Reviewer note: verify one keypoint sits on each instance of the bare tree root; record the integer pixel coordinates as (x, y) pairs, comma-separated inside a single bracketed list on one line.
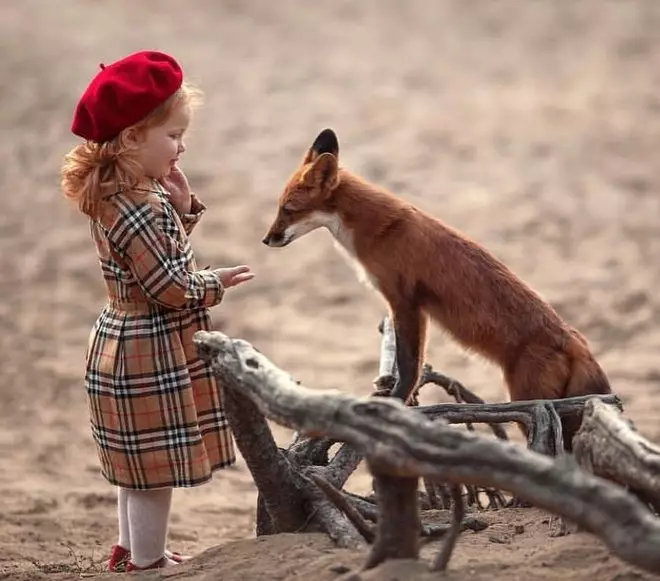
[(279, 506), (296, 486), (609, 446), (442, 558), (459, 392), (368, 509), (400, 445), (469, 523), (287, 500), (541, 419), (399, 524), (343, 504)]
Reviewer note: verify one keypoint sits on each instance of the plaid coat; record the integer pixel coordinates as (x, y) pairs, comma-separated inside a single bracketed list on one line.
[(155, 408)]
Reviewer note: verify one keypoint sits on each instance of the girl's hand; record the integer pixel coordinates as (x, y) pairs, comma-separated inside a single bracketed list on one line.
[(234, 275), (177, 186)]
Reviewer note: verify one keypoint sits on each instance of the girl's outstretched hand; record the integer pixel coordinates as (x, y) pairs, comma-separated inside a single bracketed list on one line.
[(234, 275), (177, 186)]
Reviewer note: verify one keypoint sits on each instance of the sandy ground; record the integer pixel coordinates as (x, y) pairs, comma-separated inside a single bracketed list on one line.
[(532, 126)]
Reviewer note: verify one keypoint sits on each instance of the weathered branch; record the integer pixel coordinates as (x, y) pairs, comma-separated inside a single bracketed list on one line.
[(387, 364), (401, 443), (442, 558), (368, 509), (281, 507), (541, 418), (324, 515), (609, 446), (469, 523), (340, 468), (347, 458), (287, 502), (343, 504), (398, 525), (498, 412), (385, 383), (461, 393), (451, 386)]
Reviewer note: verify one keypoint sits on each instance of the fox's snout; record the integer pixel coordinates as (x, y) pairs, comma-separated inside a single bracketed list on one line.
[(278, 234), (274, 239), (270, 238)]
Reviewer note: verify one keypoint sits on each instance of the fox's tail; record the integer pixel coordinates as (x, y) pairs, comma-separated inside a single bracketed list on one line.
[(587, 377)]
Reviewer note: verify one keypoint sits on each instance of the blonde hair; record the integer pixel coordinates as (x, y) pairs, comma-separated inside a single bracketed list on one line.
[(91, 167)]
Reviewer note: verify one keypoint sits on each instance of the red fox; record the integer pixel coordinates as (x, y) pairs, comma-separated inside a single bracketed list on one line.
[(425, 270)]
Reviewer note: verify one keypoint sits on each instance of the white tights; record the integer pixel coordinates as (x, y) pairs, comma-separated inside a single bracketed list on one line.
[(143, 519)]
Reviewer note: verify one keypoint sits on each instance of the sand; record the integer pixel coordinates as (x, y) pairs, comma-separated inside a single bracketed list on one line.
[(531, 126)]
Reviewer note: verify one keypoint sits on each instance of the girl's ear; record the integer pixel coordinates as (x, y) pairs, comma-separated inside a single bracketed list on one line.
[(132, 136)]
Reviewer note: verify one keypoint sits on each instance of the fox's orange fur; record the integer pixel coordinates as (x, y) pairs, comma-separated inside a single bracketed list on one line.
[(426, 269)]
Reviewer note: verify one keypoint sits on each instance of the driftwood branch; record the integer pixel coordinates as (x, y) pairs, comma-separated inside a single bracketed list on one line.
[(283, 510), (514, 411), (299, 487), (345, 462), (401, 443), (442, 559), (437, 493), (540, 419), (399, 524), (610, 447), (345, 505), (460, 393), (287, 500)]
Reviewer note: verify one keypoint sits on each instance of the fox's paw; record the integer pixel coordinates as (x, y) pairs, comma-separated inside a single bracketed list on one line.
[(383, 385)]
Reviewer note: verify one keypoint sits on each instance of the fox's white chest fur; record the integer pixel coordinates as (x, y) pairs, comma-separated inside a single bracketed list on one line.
[(343, 242)]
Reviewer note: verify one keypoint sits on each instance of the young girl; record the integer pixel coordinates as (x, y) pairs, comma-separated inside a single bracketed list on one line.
[(155, 408)]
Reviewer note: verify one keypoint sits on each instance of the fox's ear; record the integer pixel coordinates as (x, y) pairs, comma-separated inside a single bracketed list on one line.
[(325, 142), (322, 176)]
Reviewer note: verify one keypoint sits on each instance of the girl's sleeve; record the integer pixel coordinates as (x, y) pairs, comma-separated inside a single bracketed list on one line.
[(191, 219), (158, 262)]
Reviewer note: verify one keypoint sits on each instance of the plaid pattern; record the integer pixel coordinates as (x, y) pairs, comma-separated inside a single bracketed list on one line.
[(155, 407)]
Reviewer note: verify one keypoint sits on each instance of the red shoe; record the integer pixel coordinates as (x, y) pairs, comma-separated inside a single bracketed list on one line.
[(119, 558), (162, 562)]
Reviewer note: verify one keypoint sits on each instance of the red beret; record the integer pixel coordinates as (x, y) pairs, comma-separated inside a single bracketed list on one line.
[(125, 92)]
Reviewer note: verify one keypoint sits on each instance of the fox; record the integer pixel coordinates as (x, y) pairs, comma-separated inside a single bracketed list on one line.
[(428, 271)]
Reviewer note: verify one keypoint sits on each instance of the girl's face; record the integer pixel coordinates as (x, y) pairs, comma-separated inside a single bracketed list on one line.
[(162, 145)]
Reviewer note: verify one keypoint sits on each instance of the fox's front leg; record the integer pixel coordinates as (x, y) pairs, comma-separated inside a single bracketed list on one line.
[(410, 324)]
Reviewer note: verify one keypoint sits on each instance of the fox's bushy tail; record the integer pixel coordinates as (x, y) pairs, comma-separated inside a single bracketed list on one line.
[(587, 377)]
